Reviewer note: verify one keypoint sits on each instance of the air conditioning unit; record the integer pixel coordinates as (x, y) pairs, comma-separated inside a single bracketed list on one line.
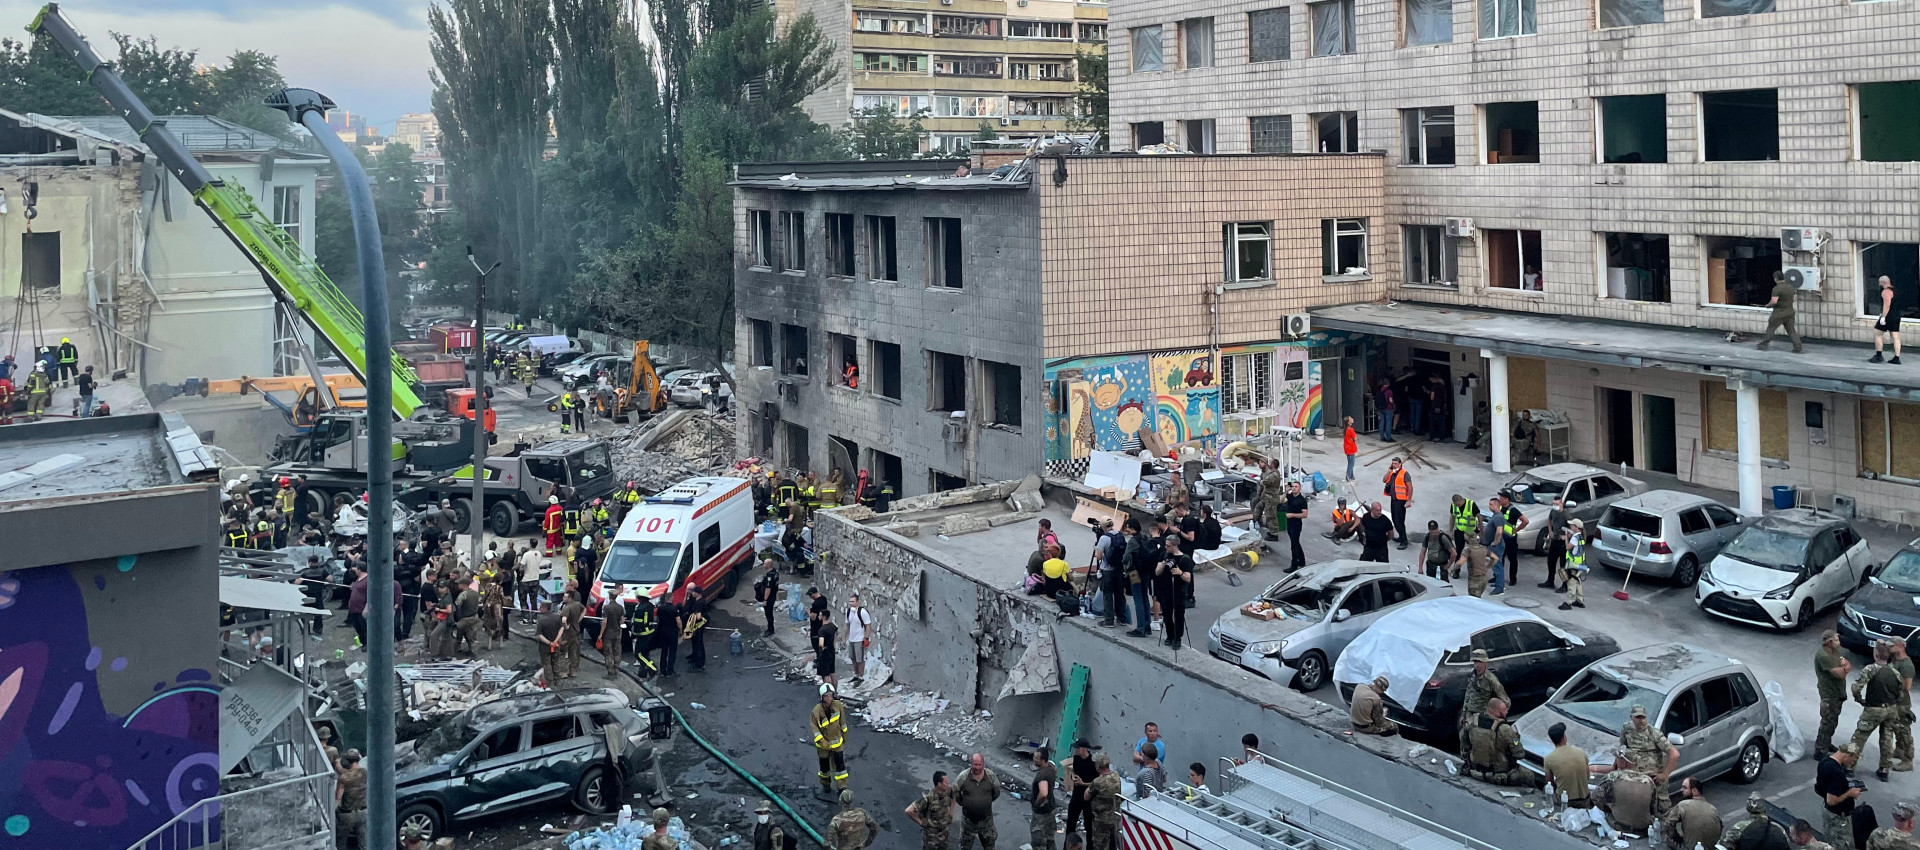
[(954, 431), (1298, 325), (1460, 228), (1800, 239), (946, 2), (1803, 277), (1005, 121), (790, 392)]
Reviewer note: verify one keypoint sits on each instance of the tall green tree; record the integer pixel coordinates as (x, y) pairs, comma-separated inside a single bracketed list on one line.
[(587, 36), (882, 134), (37, 76), (1090, 100), (238, 91)]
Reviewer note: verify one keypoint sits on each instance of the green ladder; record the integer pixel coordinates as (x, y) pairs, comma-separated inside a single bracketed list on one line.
[(1070, 713)]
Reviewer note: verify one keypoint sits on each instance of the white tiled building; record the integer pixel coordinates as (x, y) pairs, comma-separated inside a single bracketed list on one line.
[(1619, 161)]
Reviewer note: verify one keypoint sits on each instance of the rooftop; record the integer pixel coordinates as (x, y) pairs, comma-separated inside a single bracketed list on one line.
[(198, 133), (1828, 367), (109, 455)]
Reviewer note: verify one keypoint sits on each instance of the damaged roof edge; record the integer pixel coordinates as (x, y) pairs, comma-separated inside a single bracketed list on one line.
[(71, 129)]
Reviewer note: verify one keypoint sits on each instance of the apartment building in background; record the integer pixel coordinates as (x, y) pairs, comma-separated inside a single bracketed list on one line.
[(1008, 64), (940, 331), (1564, 177)]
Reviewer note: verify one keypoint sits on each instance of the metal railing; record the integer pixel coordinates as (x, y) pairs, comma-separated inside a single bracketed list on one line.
[(297, 810)]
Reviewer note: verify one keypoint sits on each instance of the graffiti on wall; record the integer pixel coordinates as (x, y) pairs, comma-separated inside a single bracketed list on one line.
[(108, 722), (1106, 401)]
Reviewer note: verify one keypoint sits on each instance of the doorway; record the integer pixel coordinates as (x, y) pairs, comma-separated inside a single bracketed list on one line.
[(1426, 388), (1616, 425), (1656, 420)]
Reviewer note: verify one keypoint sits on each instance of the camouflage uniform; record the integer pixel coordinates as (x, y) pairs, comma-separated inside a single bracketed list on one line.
[(1494, 753), (852, 829), (1647, 750), (1627, 796), (1105, 803), (1881, 710), (1690, 822), (1481, 689), (350, 826), (1903, 723), (659, 840), (936, 819), (1888, 838), (1833, 695), (1752, 821)]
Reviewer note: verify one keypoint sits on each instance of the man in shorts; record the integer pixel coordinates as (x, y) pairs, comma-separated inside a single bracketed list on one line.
[(1889, 322), (859, 625)]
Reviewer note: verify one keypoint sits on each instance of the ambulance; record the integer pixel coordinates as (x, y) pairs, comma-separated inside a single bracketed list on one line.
[(697, 533)]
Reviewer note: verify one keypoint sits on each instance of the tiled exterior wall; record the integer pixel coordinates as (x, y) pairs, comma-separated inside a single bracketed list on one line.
[(995, 316), (1812, 51), (1134, 250)]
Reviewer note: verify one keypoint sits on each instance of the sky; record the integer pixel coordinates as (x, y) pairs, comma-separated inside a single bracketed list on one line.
[(369, 56)]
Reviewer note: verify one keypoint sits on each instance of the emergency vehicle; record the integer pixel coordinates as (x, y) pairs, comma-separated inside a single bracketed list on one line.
[(697, 533)]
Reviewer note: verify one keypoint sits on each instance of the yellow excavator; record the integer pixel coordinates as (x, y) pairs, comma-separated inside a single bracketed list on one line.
[(644, 395)]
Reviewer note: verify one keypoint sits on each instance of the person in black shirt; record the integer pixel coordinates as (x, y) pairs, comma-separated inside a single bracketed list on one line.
[(1837, 793), (408, 575), (1171, 581), (666, 618), (824, 636), (1189, 530), (1207, 538), (1295, 507), (815, 608), (1080, 776), (1146, 561), (85, 382), (1376, 529), (767, 590), (696, 607)]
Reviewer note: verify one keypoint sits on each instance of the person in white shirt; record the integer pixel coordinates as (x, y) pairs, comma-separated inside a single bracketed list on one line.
[(858, 620), (532, 566)]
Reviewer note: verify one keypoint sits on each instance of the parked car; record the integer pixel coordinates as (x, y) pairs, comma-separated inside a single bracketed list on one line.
[(690, 389), (518, 752), (1884, 607), (1588, 489), (1424, 649), (1710, 702), (581, 369), (1785, 568), (1316, 612), (1665, 534)]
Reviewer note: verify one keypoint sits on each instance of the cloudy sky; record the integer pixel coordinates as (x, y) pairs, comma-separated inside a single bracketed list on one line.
[(370, 56)]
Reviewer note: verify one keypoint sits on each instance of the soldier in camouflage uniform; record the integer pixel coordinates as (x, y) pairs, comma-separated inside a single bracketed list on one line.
[(1903, 725), (1626, 795), (934, 813), (1267, 503), (1800, 836), (1879, 689), (852, 828), (1494, 751), (1483, 688), (1830, 668), (1647, 749), (1756, 819), (1105, 804), (660, 840), (1899, 836)]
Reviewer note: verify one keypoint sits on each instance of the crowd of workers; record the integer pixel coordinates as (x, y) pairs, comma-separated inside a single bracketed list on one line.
[(31, 387)]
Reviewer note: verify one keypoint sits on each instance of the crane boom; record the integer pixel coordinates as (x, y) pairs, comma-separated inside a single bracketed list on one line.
[(294, 277)]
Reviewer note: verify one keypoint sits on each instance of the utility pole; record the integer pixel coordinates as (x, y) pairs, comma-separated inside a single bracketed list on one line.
[(309, 109), (477, 523)]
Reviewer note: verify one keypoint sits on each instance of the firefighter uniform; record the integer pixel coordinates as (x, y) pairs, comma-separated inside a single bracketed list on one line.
[(829, 725), (6, 401), (39, 391), (550, 525), (643, 627), (567, 408), (69, 362), (830, 494)]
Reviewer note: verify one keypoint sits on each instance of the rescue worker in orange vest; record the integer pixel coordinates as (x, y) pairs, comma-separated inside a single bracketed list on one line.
[(6, 401), (853, 376), (550, 524)]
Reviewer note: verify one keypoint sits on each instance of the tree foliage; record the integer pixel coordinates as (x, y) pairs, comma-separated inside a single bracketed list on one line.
[(395, 179), (882, 134), (1091, 97), (36, 76)]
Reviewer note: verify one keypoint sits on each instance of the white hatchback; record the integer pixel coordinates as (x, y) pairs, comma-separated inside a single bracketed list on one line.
[(1785, 568)]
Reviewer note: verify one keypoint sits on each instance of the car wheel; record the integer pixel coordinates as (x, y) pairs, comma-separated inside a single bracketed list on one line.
[(1752, 762), (733, 584), (594, 793), (1805, 615), (422, 817), (317, 503), (1311, 673), (1686, 572), (462, 514), (503, 519)]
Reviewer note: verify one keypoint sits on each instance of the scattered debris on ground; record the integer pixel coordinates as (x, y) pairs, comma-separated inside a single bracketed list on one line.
[(671, 447)]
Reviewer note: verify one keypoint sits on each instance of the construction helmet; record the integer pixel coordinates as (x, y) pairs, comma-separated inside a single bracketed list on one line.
[(553, 500), (64, 340), (596, 503)]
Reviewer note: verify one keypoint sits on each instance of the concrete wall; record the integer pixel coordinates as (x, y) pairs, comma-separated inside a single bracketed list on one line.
[(93, 208), (994, 316), (946, 632), (1570, 196)]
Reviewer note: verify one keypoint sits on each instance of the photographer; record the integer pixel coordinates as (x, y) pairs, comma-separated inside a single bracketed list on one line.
[(1173, 580)]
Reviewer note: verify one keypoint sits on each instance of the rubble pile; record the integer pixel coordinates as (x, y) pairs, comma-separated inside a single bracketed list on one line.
[(445, 688), (672, 447), (932, 719)]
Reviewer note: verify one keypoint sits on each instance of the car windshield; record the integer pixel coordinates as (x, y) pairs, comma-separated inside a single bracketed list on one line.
[(1766, 548), (1631, 522), (1538, 490), (444, 743), (591, 464), (1600, 700), (1306, 600), (639, 562), (1903, 572)]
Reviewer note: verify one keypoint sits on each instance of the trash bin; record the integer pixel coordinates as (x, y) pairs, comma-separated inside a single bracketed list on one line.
[(1782, 497)]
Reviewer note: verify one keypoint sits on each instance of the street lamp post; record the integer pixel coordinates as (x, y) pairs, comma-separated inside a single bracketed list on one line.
[(477, 522)]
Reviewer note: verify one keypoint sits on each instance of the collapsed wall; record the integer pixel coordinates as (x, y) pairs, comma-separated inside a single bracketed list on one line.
[(998, 649)]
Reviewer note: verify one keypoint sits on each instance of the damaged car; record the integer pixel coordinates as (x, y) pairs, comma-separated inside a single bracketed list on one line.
[(1587, 490), (1886, 606), (1785, 568), (1710, 706), (522, 751), (1295, 630)]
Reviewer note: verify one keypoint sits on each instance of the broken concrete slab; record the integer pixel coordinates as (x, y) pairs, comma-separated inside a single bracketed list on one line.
[(1008, 519), (1026, 496), (963, 524), (904, 528)]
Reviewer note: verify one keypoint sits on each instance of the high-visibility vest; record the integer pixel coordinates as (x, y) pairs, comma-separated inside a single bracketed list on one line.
[(783, 496), (1577, 555), (1402, 484), (830, 494), (1463, 515), (601, 517), (551, 522), (566, 402), (1506, 519), (810, 496), (237, 538), (68, 354), (571, 520), (643, 619)]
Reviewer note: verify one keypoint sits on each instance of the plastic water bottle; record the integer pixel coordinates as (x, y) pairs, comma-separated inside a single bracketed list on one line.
[(735, 645)]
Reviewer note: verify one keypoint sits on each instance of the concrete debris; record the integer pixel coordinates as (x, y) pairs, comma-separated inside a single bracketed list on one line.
[(904, 529), (963, 524), (1026, 497), (929, 718), (953, 498), (449, 688), (1008, 519), (673, 447)]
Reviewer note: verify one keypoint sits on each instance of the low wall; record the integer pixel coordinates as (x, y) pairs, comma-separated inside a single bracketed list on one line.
[(944, 631)]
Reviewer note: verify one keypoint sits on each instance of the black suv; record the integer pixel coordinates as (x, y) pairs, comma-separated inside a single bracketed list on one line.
[(520, 751), (1885, 606)]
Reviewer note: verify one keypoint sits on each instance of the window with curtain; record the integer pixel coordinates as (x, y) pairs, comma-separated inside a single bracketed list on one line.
[(1732, 8), (1332, 27), (1432, 257), (1198, 34), (1269, 35), (1507, 18), (1429, 22), (1146, 49), (1631, 13)]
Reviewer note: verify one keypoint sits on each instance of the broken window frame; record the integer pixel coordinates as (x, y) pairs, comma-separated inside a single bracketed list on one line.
[(795, 438), (1043, 30), (1144, 52), (942, 375), (1093, 33), (760, 238), (800, 366), (883, 249), (968, 106), (1024, 68), (1346, 123), (1134, 130), (1615, 105), (1002, 402), (965, 26), (1276, 25), (945, 253), (760, 332), (1337, 236), (1417, 125), (1492, 243), (1742, 274), (886, 469), (1867, 144), (881, 22), (1196, 43), (1426, 22), (793, 241), (985, 67), (1332, 28), (890, 63), (1489, 155), (840, 245), (1713, 145), (1199, 135), (1428, 245), (1270, 133), (884, 358), (1239, 237), (903, 105), (1619, 245), (1508, 19), (844, 349)]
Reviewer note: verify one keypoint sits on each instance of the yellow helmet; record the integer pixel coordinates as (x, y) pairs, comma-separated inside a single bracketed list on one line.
[(64, 340)]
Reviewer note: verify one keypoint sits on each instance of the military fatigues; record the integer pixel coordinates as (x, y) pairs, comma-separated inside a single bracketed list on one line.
[(1479, 568), (1627, 796), (1494, 753), (936, 819), (1481, 689), (852, 829), (1879, 689), (1647, 750), (1692, 821), (1105, 804), (829, 725), (1041, 828), (1888, 838), (1734, 833), (970, 793), (572, 612), (1833, 695), (613, 629), (1368, 712), (1903, 723), (659, 840), (351, 823)]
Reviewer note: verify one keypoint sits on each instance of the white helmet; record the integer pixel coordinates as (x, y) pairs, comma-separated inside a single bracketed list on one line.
[(553, 500), (825, 689)]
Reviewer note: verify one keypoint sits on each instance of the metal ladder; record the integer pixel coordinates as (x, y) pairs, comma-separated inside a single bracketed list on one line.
[(1260, 828)]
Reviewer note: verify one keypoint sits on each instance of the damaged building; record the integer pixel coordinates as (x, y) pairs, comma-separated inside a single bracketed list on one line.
[(942, 331), (100, 245)]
